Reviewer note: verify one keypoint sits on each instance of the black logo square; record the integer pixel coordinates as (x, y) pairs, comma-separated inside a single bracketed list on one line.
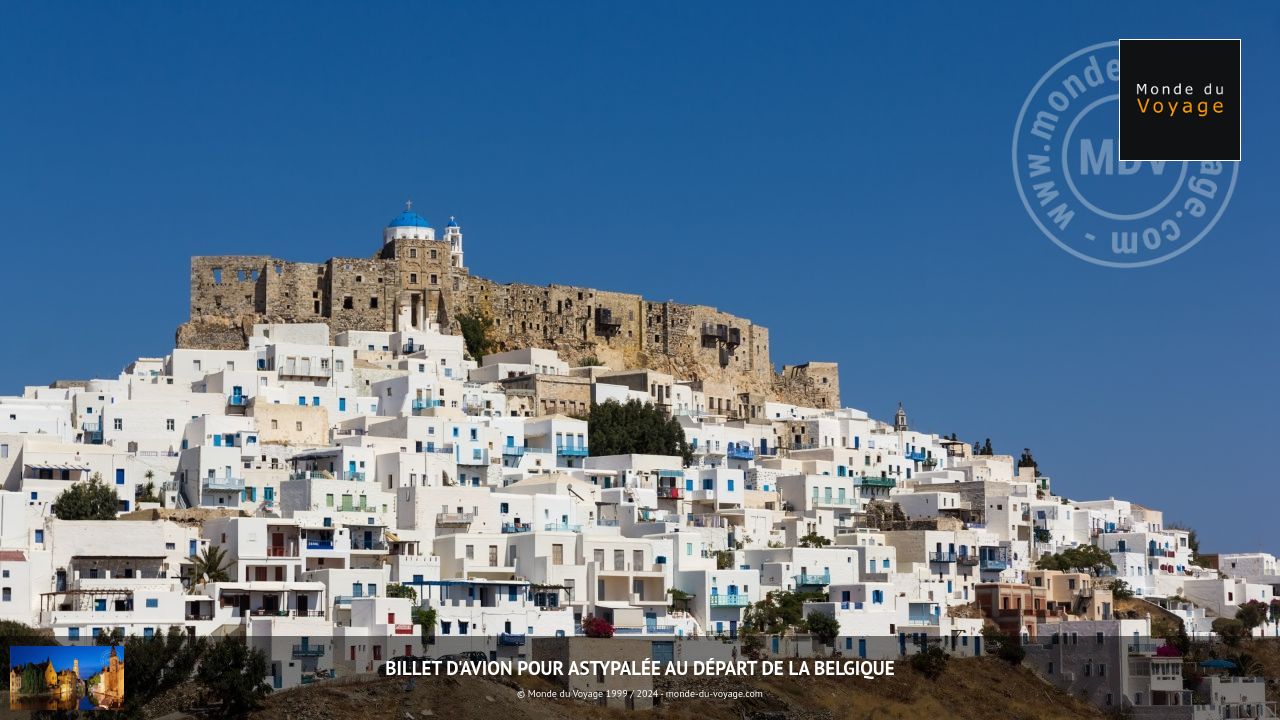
[(1179, 100)]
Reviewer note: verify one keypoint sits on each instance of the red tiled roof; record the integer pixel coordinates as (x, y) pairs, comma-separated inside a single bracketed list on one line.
[(12, 556)]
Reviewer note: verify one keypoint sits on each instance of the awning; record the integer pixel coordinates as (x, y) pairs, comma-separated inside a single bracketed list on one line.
[(57, 466)]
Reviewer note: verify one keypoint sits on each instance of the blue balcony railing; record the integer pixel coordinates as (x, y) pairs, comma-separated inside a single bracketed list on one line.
[(342, 599), (424, 403), (237, 401), (223, 484), (308, 650), (880, 482), (513, 451), (994, 565), (567, 451), (511, 639), (563, 527), (735, 600), (319, 545), (516, 528), (741, 453), (808, 579), (942, 557), (917, 456)]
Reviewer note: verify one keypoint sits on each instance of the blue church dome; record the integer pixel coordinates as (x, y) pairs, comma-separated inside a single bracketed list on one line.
[(408, 218)]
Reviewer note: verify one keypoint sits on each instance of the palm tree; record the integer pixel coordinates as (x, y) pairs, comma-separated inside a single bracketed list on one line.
[(210, 566)]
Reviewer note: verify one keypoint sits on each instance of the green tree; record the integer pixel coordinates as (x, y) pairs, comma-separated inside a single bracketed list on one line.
[(92, 500), (635, 428), (426, 617), (778, 612), (157, 665), (724, 559), (814, 540), (395, 590), (824, 627), (209, 566), (1231, 631), (1120, 590), (475, 333), (234, 676), (1084, 558)]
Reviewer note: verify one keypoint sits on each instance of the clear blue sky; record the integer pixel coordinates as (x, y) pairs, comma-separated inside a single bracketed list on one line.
[(858, 156)]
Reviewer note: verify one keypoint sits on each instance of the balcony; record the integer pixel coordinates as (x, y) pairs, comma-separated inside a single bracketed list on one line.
[(994, 565), (513, 451), (672, 493), (511, 639), (300, 651), (454, 519), (736, 600), (319, 544), (878, 482), (967, 560), (825, 500), (282, 551), (295, 369), (807, 579), (93, 433), (420, 404), (238, 401), (223, 484), (917, 456), (342, 599), (562, 527), (741, 453), (349, 506), (942, 557), (509, 528), (567, 451), (369, 544)]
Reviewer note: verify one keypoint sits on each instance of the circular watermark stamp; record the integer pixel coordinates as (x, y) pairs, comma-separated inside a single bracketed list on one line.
[(1103, 210)]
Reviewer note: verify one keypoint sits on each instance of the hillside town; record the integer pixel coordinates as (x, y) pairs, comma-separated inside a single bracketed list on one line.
[(340, 494)]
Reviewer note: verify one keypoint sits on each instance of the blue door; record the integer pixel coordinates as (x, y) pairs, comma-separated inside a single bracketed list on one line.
[(664, 652), (862, 647)]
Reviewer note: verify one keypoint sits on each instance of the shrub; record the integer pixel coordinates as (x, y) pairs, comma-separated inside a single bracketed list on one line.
[(930, 662), (594, 627)]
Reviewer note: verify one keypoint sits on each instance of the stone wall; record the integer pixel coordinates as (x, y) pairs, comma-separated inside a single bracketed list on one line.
[(622, 330)]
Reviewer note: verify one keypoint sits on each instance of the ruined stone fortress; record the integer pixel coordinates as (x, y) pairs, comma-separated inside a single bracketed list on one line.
[(414, 269)]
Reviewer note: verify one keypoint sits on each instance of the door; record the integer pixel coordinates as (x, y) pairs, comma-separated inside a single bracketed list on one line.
[(303, 605), (862, 647), (368, 539)]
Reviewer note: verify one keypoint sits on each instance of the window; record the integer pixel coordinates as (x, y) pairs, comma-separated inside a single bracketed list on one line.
[(6, 595), (275, 424), (373, 303), (153, 602), (4, 451), (118, 424), (413, 278), (169, 425), (348, 303), (39, 533), (73, 633), (298, 426)]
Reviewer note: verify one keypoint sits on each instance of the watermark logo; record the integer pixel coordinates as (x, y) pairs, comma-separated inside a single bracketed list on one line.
[(1090, 203)]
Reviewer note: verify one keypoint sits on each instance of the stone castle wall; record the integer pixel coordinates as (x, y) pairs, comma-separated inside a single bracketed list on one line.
[(622, 330)]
